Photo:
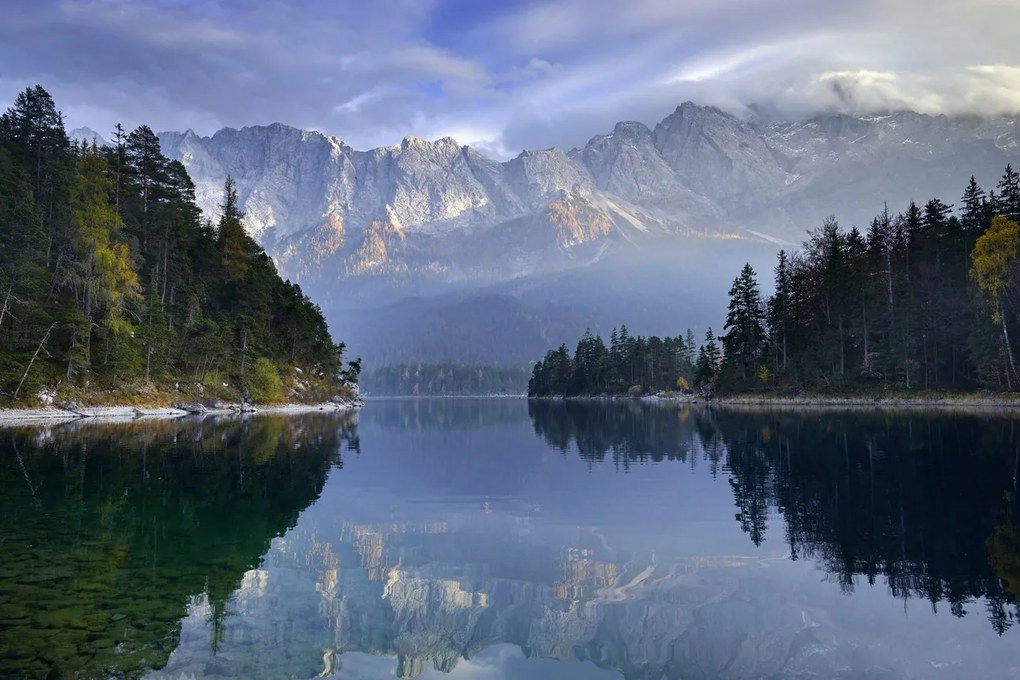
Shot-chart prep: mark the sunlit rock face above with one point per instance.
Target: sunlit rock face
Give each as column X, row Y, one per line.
column 328, row 213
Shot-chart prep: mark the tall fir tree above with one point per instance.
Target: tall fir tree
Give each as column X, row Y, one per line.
column 745, row 331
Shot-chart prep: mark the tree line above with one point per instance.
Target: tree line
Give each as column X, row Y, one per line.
column 111, row 280
column 443, row 379
column 926, row 299
column 629, row 364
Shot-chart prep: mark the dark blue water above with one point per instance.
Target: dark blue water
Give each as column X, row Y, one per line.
column 497, row 539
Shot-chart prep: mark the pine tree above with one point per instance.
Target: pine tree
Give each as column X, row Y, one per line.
column 119, row 153
column 745, row 333
column 231, row 237
column 975, row 207
column 1009, row 194
column 146, row 166
column 779, row 320
column 936, row 215
column 690, row 348
column 707, row 365
column 35, row 128
column 536, row 386
column 912, row 222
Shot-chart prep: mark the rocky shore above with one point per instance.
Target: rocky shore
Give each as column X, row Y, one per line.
column 82, row 412
column 981, row 400
column 975, row 400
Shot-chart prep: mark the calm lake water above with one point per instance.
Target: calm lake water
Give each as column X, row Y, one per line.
column 500, row 539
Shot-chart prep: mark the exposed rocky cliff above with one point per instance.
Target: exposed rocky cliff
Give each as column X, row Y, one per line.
column 328, row 212
column 365, row 229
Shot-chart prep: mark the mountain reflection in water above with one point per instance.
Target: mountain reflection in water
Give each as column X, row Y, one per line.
column 506, row 539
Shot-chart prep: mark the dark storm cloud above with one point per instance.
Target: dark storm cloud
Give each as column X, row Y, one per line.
column 502, row 75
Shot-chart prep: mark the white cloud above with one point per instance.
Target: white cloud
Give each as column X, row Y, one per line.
column 541, row 74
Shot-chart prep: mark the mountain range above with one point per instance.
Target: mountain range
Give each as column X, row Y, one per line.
column 412, row 235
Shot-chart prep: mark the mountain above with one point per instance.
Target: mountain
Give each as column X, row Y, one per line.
column 87, row 135
column 365, row 230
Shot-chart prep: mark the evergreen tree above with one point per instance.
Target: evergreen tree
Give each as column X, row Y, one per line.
column 34, row 129
column 690, row 349
column 912, row 222
column 936, row 215
column 779, row 320
column 709, row 358
column 1008, row 204
column 231, row 237
column 145, row 167
column 975, row 207
column 745, row 333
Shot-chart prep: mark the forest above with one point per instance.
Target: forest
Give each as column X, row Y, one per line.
column 112, row 283
column 629, row 364
column 926, row 299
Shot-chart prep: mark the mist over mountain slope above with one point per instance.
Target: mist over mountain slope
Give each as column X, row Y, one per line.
column 654, row 291
column 431, row 251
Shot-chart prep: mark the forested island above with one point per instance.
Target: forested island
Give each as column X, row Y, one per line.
column 113, row 287
column 925, row 300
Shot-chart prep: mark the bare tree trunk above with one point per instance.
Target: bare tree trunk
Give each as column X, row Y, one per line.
column 864, row 321
column 1009, row 348
column 32, row 361
column 888, row 278
column 842, row 349
column 56, row 273
column 170, row 316
column 7, row 300
column 244, row 350
column 166, row 258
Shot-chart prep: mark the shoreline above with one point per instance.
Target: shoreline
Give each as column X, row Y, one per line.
column 968, row 400
column 946, row 404
column 43, row 415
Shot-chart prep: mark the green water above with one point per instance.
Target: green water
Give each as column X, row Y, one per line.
column 501, row 539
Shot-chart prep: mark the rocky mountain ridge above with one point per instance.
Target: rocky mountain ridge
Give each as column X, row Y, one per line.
column 330, row 213
column 407, row 246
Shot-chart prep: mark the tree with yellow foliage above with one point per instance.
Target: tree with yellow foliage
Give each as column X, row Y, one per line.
column 994, row 268
column 101, row 272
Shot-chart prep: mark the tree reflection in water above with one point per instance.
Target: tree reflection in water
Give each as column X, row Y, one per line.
column 110, row 530
column 926, row 501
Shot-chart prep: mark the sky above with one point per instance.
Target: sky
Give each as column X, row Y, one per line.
column 502, row 75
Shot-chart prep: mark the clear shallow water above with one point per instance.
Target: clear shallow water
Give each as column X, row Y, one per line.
column 497, row 539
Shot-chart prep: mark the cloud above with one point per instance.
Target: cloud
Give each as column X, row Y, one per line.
column 504, row 76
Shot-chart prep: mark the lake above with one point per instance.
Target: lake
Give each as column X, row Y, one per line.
column 496, row 538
